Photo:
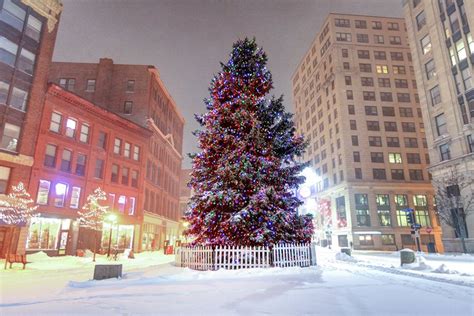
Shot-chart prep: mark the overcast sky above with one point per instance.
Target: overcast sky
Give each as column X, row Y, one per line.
column 186, row 39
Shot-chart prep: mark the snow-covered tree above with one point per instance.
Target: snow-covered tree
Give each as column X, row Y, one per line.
column 92, row 214
column 245, row 177
column 455, row 201
column 17, row 208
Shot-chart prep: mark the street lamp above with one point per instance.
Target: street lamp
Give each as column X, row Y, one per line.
column 111, row 218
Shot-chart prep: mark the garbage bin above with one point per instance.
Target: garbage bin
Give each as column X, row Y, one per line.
column 431, row 247
column 169, row 250
column 407, row 256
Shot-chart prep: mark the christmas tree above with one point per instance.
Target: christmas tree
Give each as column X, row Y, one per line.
column 245, row 177
column 92, row 214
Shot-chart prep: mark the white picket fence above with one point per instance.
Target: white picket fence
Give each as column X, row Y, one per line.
column 226, row 257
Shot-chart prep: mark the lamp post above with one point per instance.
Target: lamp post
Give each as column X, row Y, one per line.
column 111, row 218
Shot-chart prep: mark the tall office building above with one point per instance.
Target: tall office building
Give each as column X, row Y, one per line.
column 442, row 45
column 27, row 35
column 355, row 100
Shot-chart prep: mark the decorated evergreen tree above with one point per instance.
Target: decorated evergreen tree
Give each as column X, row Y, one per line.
column 245, row 177
column 15, row 209
column 92, row 214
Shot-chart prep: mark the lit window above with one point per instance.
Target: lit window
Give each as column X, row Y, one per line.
column 126, row 149
column 426, row 44
column 4, row 177
column 121, row 203
column 136, row 153
column 55, row 124
column 43, row 192
column 84, row 136
column 461, row 50
column 11, row 133
column 75, row 197
column 131, row 210
column 382, row 69
column 71, row 127
column 61, row 192
column 117, row 146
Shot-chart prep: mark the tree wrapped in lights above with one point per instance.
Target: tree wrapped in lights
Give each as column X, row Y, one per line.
column 92, row 214
column 17, row 208
column 245, row 177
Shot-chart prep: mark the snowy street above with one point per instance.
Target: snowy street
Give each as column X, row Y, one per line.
column 152, row 285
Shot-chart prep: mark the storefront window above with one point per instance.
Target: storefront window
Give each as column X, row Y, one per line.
column 43, row 233
column 122, row 236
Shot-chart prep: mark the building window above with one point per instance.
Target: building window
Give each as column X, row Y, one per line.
column 75, row 197
column 4, row 88
column 18, row 99
column 386, row 96
column 380, row 55
column 102, row 141
column 356, row 156
column 470, row 143
column 363, row 54
column 60, row 190
column 67, row 83
column 71, row 126
column 376, row 25
column 379, row 174
column 343, row 37
column 26, row 61
column 375, row 141
column 353, row 125
column 365, row 67
column 390, row 126
column 90, row 87
column 362, row 209
column 420, row 20
column 395, row 158
column 383, row 209
column 55, row 124
column 345, row 65
column 117, row 146
column 401, row 203
column 408, row 127
column 397, row 69
column 467, row 78
column 114, row 173
column 8, row 51
column 416, row 174
column 403, row 97
column 66, row 160
column 381, row 69
column 358, row 173
column 136, row 153
column 43, row 192
column 388, row 111
column 384, row 82
column 397, row 174
column 435, row 95
column 128, row 107
column 413, row 158
column 134, row 182
column 366, row 240
column 125, row 172
column 360, row 24
column 121, row 203
column 130, row 85
column 131, row 209
column 4, row 177
column 81, row 164
column 345, row 53
column 50, row 156
column 99, row 169
column 362, row 38
column 430, row 69
column 376, row 157
column 126, row 149
column 373, row 126
column 411, row 142
column 84, row 136
column 395, row 40
column 378, row 39
column 461, row 50
column 425, row 44
column 388, row 239
column 401, row 83
column 370, row 110
column 367, row 81
column 12, row 14
column 349, row 95
column 445, row 152
column 11, row 134
column 441, row 125
column 33, row 28
column 355, row 140
column 348, row 80
column 351, row 109
column 406, row 112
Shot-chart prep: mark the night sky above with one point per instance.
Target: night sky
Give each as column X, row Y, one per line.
column 186, row 39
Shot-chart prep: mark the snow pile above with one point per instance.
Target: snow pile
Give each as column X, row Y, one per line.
column 419, row 264
column 344, row 257
column 444, row 269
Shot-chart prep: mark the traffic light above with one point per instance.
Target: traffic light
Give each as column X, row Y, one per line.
column 410, row 216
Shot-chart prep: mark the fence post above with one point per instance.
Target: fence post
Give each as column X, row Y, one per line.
column 312, row 247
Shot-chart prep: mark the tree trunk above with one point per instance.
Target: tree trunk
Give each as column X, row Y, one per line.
column 463, row 242
column 95, row 245
column 7, row 253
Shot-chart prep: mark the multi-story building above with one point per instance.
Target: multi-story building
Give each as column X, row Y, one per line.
column 442, row 45
column 82, row 147
column 27, row 35
column 355, row 100
column 185, row 194
column 136, row 93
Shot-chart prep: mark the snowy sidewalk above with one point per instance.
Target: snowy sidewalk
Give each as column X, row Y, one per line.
column 151, row 287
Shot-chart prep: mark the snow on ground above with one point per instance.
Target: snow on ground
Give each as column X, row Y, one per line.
column 365, row 284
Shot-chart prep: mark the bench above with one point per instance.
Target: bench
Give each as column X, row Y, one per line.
column 13, row 258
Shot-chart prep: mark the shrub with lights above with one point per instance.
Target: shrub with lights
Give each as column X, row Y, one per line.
column 245, row 177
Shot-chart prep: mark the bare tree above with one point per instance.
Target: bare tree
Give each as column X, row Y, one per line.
column 455, row 201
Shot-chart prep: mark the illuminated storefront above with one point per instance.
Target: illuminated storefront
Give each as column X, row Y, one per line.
column 48, row 234
column 122, row 236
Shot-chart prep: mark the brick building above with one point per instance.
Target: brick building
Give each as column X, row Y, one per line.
column 27, row 36
column 136, row 92
column 355, row 99
column 81, row 147
column 442, row 46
